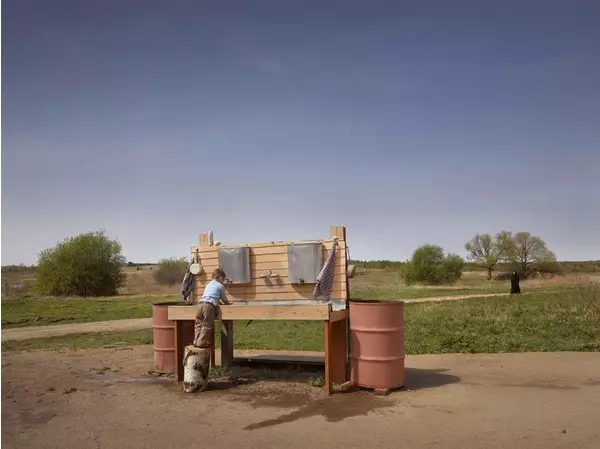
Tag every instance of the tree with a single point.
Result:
(429, 265)
(486, 251)
(86, 265)
(527, 252)
(170, 271)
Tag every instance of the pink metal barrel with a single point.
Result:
(377, 344)
(163, 333)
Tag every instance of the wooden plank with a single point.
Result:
(266, 255)
(328, 357)
(280, 297)
(276, 268)
(261, 258)
(179, 348)
(213, 360)
(226, 343)
(338, 352)
(339, 232)
(264, 247)
(274, 289)
(244, 312)
(338, 315)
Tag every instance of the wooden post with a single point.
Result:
(226, 343)
(338, 351)
(212, 349)
(328, 357)
(179, 348)
(203, 240)
(338, 231)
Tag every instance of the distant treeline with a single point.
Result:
(589, 266)
(29, 268)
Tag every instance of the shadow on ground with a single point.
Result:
(344, 405)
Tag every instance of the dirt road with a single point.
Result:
(104, 398)
(25, 333)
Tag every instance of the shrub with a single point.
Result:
(429, 265)
(170, 271)
(86, 265)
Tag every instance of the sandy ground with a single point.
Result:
(25, 333)
(106, 398)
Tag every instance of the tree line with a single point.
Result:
(91, 264)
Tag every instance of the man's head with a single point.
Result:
(219, 275)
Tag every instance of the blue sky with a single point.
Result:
(406, 121)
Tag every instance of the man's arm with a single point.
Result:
(224, 299)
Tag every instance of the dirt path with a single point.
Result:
(25, 333)
(105, 398)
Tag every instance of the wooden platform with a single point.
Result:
(334, 323)
(270, 294)
(315, 358)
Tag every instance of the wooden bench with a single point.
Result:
(333, 317)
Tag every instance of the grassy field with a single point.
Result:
(553, 315)
(44, 311)
(568, 321)
(31, 310)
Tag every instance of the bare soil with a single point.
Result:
(106, 398)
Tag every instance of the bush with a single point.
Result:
(170, 271)
(86, 265)
(429, 265)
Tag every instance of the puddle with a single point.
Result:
(335, 408)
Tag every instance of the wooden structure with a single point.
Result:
(270, 295)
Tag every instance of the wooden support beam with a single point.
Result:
(227, 343)
(317, 312)
(338, 231)
(179, 348)
(338, 315)
(335, 354)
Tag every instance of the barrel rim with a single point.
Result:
(171, 303)
(371, 302)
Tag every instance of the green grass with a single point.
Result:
(567, 321)
(81, 341)
(38, 312)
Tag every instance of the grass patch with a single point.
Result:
(568, 321)
(43, 311)
(81, 341)
(536, 322)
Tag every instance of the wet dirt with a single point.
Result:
(107, 398)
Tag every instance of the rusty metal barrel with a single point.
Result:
(377, 344)
(163, 333)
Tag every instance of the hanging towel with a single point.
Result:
(325, 277)
(187, 284)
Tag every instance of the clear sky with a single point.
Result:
(406, 121)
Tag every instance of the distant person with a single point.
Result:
(515, 288)
(214, 293)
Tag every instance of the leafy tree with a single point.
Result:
(429, 265)
(170, 271)
(86, 265)
(527, 253)
(486, 251)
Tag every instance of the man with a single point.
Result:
(514, 283)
